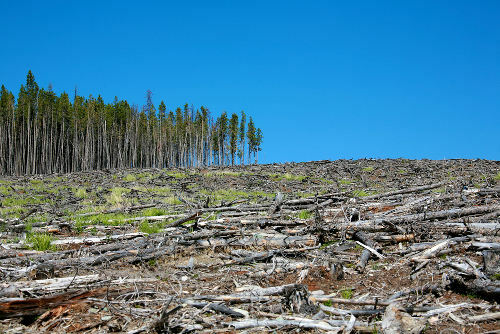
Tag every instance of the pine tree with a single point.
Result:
(241, 152)
(258, 142)
(233, 136)
(251, 136)
(46, 133)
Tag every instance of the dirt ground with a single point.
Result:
(197, 250)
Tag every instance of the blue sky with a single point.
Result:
(323, 79)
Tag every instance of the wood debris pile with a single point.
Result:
(343, 246)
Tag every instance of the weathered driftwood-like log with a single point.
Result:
(185, 219)
(484, 317)
(442, 214)
(303, 323)
(405, 191)
(491, 262)
(71, 282)
(395, 238)
(431, 252)
(484, 288)
(95, 240)
(127, 209)
(221, 308)
(20, 307)
(365, 255)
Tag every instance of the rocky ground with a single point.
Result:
(371, 246)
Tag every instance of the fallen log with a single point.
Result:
(127, 209)
(185, 219)
(405, 191)
(21, 307)
(303, 323)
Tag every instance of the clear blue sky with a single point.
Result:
(323, 79)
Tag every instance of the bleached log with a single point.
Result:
(442, 214)
(431, 252)
(127, 209)
(304, 323)
(485, 317)
(405, 191)
(71, 282)
(96, 240)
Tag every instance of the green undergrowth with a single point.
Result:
(40, 241)
(117, 197)
(440, 190)
(328, 243)
(225, 173)
(360, 193)
(177, 175)
(304, 214)
(154, 212)
(13, 201)
(80, 192)
(150, 228)
(130, 178)
(115, 219)
(287, 177)
(106, 219)
(4, 190)
(231, 194)
(347, 293)
(160, 190)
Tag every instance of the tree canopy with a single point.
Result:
(45, 133)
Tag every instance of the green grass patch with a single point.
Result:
(347, 293)
(154, 212)
(223, 173)
(345, 181)
(130, 178)
(304, 214)
(441, 190)
(305, 195)
(80, 192)
(110, 219)
(328, 243)
(26, 200)
(177, 175)
(161, 190)
(360, 193)
(5, 190)
(172, 200)
(496, 277)
(40, 241)
(232, 194)
(11, 213)
(144, 176)
(149, 228)
(497, 177)
(116, 197)
(287, 177)
(328, 303)
(368, 169)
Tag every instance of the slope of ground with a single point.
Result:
(347, 246)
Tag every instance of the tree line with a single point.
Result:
(44, 133)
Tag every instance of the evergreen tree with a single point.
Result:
(251, 136)
(46, 133)
(233, 136)
(258, 142)
(241, 152)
